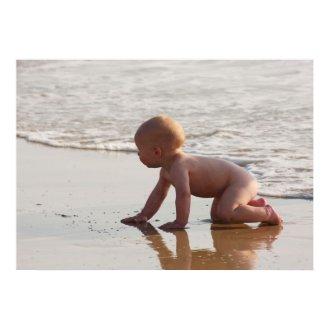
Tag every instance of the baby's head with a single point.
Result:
(158, 138)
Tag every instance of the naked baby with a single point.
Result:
(159, 142)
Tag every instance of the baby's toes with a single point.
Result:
(273, 217)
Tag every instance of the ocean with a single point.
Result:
(258, 114)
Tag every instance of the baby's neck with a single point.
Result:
(168, 159)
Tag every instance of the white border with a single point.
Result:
(163, 30)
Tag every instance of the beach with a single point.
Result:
(70, 202)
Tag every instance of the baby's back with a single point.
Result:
(210, 176)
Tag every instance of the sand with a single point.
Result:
(70, 202)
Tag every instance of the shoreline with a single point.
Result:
(70, 202)
(134, 152)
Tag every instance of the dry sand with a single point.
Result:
(70, 202)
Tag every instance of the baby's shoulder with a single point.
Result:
(180, 165)
(182, 161)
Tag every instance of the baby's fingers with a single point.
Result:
(128, 220)
(135, 219)
(171, 225)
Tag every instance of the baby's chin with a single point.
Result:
(152, 166)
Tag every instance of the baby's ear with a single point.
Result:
(157, 151)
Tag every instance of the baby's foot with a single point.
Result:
(273, 217)
(257, 202)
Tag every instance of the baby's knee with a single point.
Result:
(225, 216)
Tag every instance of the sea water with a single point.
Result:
(258, 114)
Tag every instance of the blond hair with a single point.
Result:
(161, 131)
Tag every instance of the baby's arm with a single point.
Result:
(156, 197)
(180, 177)
(154, 201)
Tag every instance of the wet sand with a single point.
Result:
(70, 202)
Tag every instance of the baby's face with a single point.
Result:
(148, 155)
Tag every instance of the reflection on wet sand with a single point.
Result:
(235, 247)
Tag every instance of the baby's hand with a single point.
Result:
(172, 225)
(136, 219)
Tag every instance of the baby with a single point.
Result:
(159, 142)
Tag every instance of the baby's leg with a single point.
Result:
(232, 207)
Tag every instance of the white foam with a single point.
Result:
(115, 146)
(255, 113)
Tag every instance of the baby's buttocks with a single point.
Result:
(241, 177)
(211, 176)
